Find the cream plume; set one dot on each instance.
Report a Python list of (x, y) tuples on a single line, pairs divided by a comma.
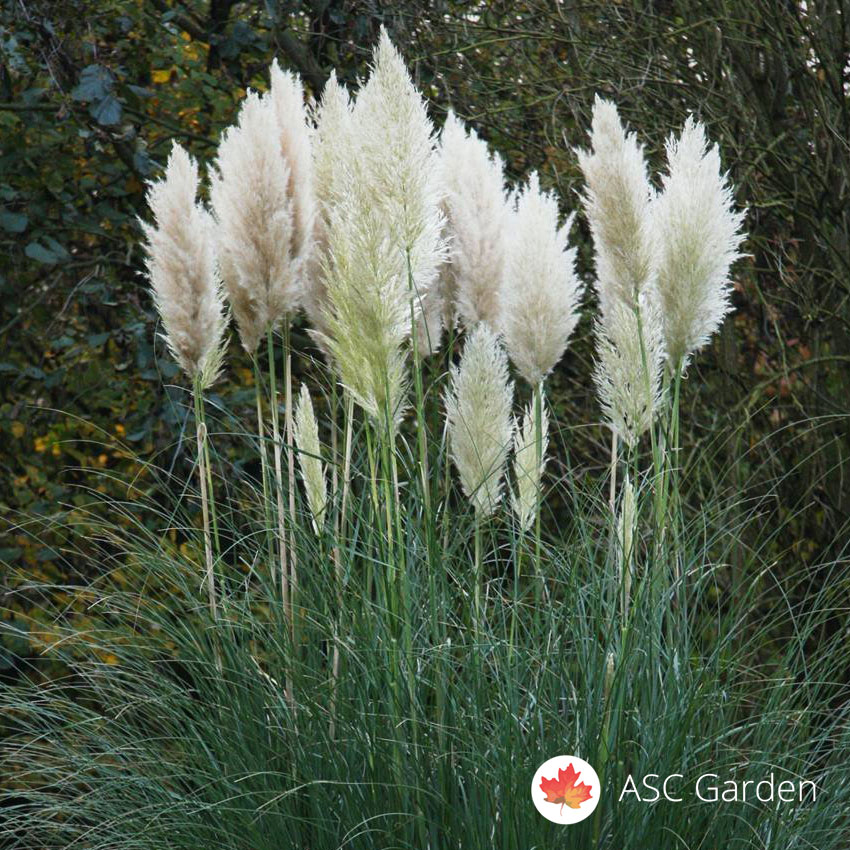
[(395, 165), (541, 291), (332, 144), (332, 150), (478, 415), (628, 374), (617, 204), (260, 197), (181, 268), (476, 209), (310, 458), (698, 236), (528, 473), (383, 228), (287, 94)]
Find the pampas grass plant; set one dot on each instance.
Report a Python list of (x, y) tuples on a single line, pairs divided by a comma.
[(478, 418), (426, 677), (263, 198), (540, 297), (181, 268)]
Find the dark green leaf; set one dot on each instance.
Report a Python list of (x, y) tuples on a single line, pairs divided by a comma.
[(36, 251), (106, 111), (96, 82), (13, 222)]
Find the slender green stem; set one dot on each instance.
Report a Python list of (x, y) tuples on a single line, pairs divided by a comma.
[(613, 548), (421, 425), (389, 501), (201, 414), (447, 487), (602, 757), (519, 545), (338, 531), (376, 504), (290, 464), (264, 464), (281, 527), (478, 582), (538, 453), (675, 483), (278, 472), (201, 433)]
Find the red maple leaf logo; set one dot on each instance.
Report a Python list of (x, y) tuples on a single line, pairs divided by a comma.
[(564, 789)]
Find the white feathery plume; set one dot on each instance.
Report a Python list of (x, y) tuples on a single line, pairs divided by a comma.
[(528, 472), (264, 228), (310, 458), (478, 413), (476, 209), (287, 94), (383, 228), (332, 144), (617, 204), (541, 291), (628, 374), (182, 271), (395, 166), (332, 150), (698, 235)]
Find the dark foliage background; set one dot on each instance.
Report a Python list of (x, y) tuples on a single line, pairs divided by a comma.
[(92, 93)]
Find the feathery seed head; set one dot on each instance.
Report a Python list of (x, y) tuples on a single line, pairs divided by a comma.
[(310, 458), (287, 94), (182, 271), (541, 291), (332, 169), (368, 312), (478, 414), (332, 144), (617, 205), (382, 240), (628, 374), (395, 166), (698, 235), (476, 210), (265, 219), (528, 472)]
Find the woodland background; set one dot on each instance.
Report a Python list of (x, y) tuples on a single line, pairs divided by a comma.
[(93, 93)]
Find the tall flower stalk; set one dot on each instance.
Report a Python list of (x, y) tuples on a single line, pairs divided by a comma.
[(262, 194), (382, 248), (617, 202), (398, 162), (480, 427), (181, 268), (698, 236), (540, 298)]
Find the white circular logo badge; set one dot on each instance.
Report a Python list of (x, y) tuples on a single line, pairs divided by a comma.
[(565, 789)]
